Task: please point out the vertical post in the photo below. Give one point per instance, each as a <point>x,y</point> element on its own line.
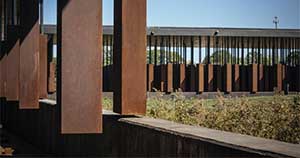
<point>253,78</point>
<point>51,66</point>
<point>200,78</point>
<point>150,77</point>
<point>210,77</point>
<point>29,54</point>
<point>261,77</point>
<point>278,76</point>
<point>228,73</point>
<point>130,57</point>
<point>236,77</point>
<point>182,79</point>
<point>43,66</point>
<point>168,78</point>
<point>79,88</point>
<point>12,48</point>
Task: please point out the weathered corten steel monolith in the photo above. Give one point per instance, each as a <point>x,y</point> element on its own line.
<point>228,78</point>
<point>261,84</point>
<point>236,77</point>
<point>168,78</point>
<point>182,79</point>
<point>12,48</point>
<point>278,76</point>
<point>130,57</point>
<point>210,77</point>
<point>200,78</point>
<point>29,54</point>
<point>218,79</point>
<point>266,78</point>
<point>79,88</point>
<point>253,78</point>
<point>51,78</point>
<point>298,78</point>
<point>43,67</point>
<point>150,77</point>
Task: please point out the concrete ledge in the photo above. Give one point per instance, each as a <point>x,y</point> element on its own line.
<point>246,143</point>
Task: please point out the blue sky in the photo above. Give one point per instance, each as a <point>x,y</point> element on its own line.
<point>207,13</point>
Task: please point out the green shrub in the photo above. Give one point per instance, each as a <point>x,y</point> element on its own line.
<point>276,117</point>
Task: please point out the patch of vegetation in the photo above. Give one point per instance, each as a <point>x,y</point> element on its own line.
<point>276,117</point>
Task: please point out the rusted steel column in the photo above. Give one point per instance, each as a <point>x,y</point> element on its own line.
<point>80,65</point>
<point>29,54</point>
<point>236,77</point>
<point>43,66</point>
<point>51,78</point>
<point>51,67</point>
<point>130,57</point>
<point>200,78</point>
<point>278,76</point>
<point>209,75</point>
<point>253,78</point>
<point>150,77</point>
<point>167,78</point>
<point>192,78</point>
<point>261,77</point>
<point>182,79</point>
<point>12,47</point>
<point>228,78</point>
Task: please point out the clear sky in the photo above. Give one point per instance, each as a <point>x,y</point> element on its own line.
<point>207,13</point>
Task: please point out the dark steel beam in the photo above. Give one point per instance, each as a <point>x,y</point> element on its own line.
<point>130,57</point>
<point>79,88</point>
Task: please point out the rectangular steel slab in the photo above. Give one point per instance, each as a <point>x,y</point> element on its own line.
<point>253,77</point>
<point>228,77</point>
<point>261,84</point>
<point>150,77</point>
<point>200,78</point>
<point>80,66</point>
<point>29,54</point>
<point>236,77</point>
<point>130,57</point>
<point>12,48</point>
<point>43,67</point>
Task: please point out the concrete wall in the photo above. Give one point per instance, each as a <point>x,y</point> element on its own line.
<point>130,136</point>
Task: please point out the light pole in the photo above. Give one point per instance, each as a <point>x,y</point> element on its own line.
<point>276,22</point>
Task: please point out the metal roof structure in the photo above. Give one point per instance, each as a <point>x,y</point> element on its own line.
<point>192,31</point>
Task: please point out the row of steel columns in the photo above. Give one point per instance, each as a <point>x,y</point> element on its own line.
<point>225,78</point>
<point>28,72</point>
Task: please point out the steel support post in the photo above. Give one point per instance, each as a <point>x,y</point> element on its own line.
<point>298,78</point>
<point>29,54</point>
<point>236,77</point>
<point>167,78</point>
<point>150,77</point>
<point>12,48</point>
<point>228,77</point>
<point>43,67</point>
<point>192,78</point>
<point>218,79</point>
<point>253,78</point>
<point>182,79</point>
<point>261,81</point>
<point>210,77</point>
<point>200,78</point>
<point>278,77</point>
<point>79,89</point>
<point>130,57</point>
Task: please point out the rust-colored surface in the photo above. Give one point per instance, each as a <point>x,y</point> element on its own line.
<point>43,67</point>
<point>80,52</point>
<point>150,77</point>
<point>29,54</point>
<point>261,84</point>
<point>210,77</point>
<point>192,78</point>
<point>228,73</point>
<point>182,79</point>
<point>254,73</point>
<point>236,77</point>
<point>200,78</point>
<point>278,76</point>
<point>130,57</point>
<point>12,47</point>
<point>169,78</point>
<point>51,78</point>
